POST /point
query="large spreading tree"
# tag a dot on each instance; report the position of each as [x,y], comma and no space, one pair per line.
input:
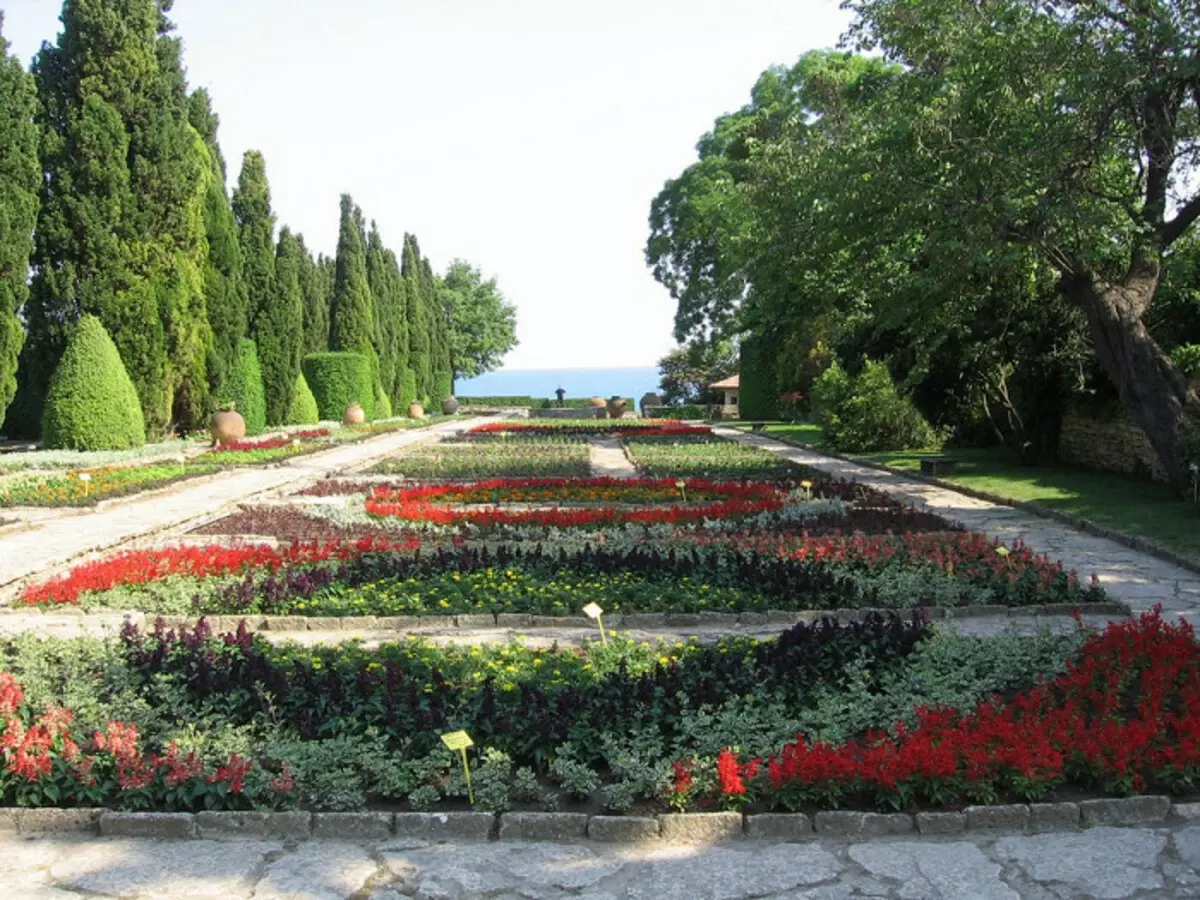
[20,179]
[482,325]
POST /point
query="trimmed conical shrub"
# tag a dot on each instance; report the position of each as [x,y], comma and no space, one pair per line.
[303,410]
[383,405]
[246,388]
[339,379]
[92,403]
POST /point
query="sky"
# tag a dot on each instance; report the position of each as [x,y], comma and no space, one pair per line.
[525,136]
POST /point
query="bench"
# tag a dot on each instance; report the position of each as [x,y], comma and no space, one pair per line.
[937,465]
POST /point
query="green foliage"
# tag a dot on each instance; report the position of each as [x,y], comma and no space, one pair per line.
[391,318]
[303,410]
[246,388]
[482,325]
[758,396]
[251,205]
[120,234]
[339,379]
[91,403]
[866,413]
[418,318]
[316,287]
[20,180]
[383,405]
[1187,359]
[352,320]
[498,401]
[676,412]
[279,329]
[408,390]
[225,297]
[686,372]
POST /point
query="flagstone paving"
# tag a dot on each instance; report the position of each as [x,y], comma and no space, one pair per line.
[1103,863]
[1137,578]
[609,459]
[53,541]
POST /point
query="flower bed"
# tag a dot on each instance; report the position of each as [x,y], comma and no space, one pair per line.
[339,727]
[90,486]
[718,501]
[615,428]
[467,460]
[1124,718]
[375,577]
[707,457]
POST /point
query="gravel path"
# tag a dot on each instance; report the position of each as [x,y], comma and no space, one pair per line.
[1137,578]
[609,460]
[49,543]
[1104,862]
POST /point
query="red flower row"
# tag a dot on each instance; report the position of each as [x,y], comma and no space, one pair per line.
[145,566]
[411,504]
[1124,717]
[47,761]
[663,428]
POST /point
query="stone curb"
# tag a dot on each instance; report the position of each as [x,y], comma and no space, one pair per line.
[679,828]
[1133,542]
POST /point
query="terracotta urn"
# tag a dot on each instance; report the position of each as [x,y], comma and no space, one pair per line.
[354,415]
[227,427]
[597,402]
[649,400]
[416,410]
[616,407]
[450,406]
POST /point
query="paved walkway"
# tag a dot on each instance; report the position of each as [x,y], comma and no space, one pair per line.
[1137,578]
[53,542]
[609,459]
[1108,863]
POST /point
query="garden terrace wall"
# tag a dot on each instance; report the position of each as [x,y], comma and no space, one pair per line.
[1108,445]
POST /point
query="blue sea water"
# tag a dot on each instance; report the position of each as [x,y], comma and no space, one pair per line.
[542,383]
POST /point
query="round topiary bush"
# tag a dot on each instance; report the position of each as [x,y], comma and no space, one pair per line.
[303,410]
[246,388]
[92,403]
[339,379]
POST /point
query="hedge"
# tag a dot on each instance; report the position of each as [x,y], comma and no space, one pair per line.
[689,411]
[246,388]
[498,401]
[383,406]
[92,403]
[339,379]
[580,403]
[303,410]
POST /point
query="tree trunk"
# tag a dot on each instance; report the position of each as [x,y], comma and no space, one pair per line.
[1155,393]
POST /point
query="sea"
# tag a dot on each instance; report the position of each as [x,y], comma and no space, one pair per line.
[542,383]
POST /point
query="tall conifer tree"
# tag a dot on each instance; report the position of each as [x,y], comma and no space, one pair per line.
[352,320]
[118,234]
[224,291]
[280,331]
[418,320]
[20,179]
[316,288]
[391,328]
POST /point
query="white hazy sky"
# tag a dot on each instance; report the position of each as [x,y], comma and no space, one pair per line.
[526,136]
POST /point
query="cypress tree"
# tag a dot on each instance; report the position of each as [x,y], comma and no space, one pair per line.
[418,322]
[441,374]
[256,234]
[280,330]
[20,178]
[316,289]
[352,320]
[391,329]
[118,233]
[225,294]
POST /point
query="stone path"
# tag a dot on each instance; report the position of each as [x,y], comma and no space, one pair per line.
[1137,578]
[1103,863]
[50,543]
[609,459]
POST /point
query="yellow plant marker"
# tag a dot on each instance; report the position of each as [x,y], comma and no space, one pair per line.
[460,741]
[682,485]
[593,611]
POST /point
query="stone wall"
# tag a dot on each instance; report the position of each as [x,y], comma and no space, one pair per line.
[1109,445]
[580,412]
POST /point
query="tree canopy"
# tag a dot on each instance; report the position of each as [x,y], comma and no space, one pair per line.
[483,325]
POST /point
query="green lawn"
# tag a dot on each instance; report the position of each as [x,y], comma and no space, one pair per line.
[1121,502]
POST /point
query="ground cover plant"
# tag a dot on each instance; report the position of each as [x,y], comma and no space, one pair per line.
[90,486]
[450,459]
[617,726]
[601,428]
[705,456]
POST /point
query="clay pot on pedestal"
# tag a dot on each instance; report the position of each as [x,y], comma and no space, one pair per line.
[597,402]
[354,414]
[416,410]
[227,427]
[616,407]
[449,406]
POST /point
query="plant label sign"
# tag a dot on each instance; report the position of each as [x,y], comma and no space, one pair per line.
[457,740]
[593,611]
